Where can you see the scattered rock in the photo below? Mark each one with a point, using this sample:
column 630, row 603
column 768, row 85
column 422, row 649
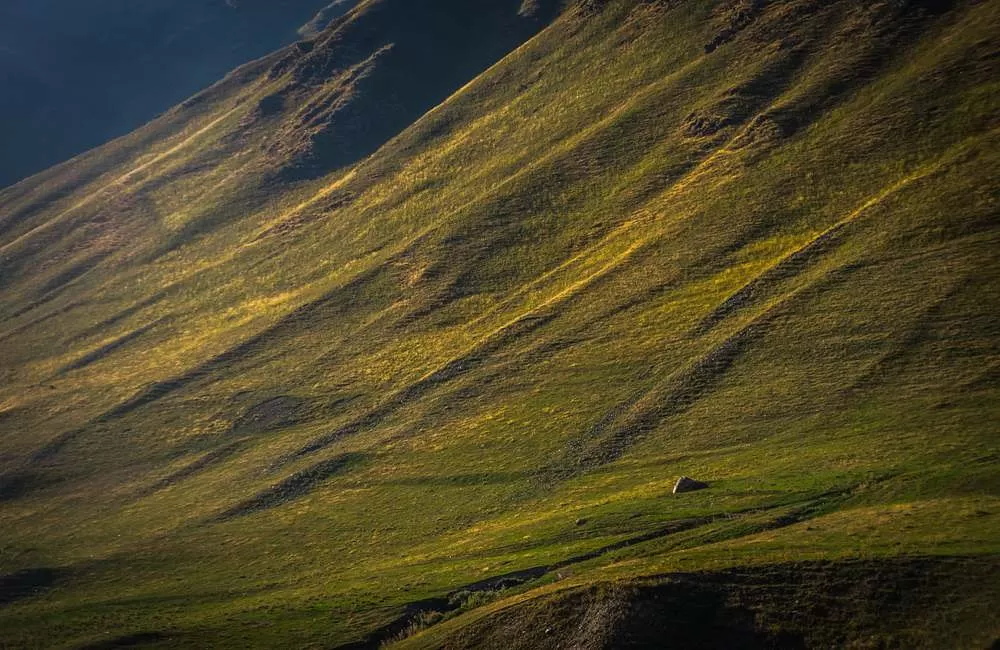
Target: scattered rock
column 705, row 125
column 685, row 484
column 764, row 130
column 734, row 18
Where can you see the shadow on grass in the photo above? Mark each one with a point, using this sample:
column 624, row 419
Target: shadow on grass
column 127, row 641
column 27, row 583
column 295, row 486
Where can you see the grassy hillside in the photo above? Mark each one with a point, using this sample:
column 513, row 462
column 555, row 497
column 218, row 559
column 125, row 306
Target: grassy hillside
column 415, row 324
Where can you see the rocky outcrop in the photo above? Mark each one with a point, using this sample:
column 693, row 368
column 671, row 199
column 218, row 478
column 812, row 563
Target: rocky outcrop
column 685, row 484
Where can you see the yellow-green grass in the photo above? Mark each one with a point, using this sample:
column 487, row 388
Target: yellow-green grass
column 543, row 302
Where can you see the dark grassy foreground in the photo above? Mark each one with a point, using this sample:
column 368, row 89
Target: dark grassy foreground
column 902, row 602
column 375, row 339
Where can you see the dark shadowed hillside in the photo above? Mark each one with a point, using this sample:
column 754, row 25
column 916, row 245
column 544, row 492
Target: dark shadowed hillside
column 74, row 74
column 403, row 334
column 373, row 73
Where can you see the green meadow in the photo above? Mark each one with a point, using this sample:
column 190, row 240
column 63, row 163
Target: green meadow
column 263, row 385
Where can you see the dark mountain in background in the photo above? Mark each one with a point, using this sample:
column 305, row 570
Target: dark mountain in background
column 74, row 74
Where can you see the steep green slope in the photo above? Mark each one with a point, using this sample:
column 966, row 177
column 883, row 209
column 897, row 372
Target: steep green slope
column 303, row 362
